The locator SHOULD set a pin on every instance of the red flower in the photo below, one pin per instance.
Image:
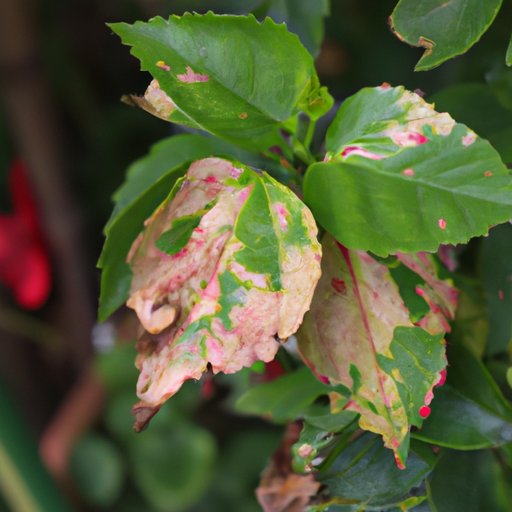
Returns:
(24, 263)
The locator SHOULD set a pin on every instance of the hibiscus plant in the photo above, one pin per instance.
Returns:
(321, 238)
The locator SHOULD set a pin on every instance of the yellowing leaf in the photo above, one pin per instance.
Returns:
(227, 263)
(359, 334)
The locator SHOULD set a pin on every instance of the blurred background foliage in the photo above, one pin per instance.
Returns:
(70, 387)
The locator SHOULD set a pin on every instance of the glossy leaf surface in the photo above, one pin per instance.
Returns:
(245, 275)
(230, 75)
(443, 29)
(401, 177)
(365, 477)
(358, 334)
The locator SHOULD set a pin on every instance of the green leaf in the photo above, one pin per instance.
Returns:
(147, 184)
(304, 18)
(366, 476)
(285, 398)
(229, 75)
(470, 412)
(444, 29)
(401, 177)
(486, 114)
(508, 56)
(172, 468)
(496, 272)
(97, 468)
(469, 482)
(172, 241)
(317, 435)
(358, 334)
(245, 276)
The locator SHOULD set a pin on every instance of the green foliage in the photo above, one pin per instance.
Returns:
(443, 29)
(220, 266)
(243, 92)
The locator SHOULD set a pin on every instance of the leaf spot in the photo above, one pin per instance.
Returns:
(385, 85)
(162, 65)
(305, 450)
(488, 174)
(469, 138)
(441, 223)
(442, 378)
(500, 294)
(190, 77)
(425, 411)
(409, 139)
(355, 150)
(408, 172)
(399, 463)
(339, 285)
(243, 115)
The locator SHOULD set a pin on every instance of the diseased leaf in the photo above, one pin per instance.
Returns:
(358, 334)
(230, 75)
(444, 28)
(214, 302)
(496, 272)
(401, 177)
(439, 295)
(470, 412)
(365, 476)
(148, 182)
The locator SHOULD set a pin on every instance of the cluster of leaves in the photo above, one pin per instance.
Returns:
(217, 258)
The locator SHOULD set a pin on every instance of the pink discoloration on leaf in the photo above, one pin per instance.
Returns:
(282, 215)
(355, 150)
(162, 65)
(409, 139)
(429, 397)
(448, 257)
(500, 295)
(439, 294)
(408, 172)
(469, 139)
(202, 306)
(441, 223)
(189, 77)
(338, 285)
(425, 411)
(442, 378)
(399, 464)
(352, 339)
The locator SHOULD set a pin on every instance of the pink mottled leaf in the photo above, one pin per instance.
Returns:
(358, 333)
(227, 263)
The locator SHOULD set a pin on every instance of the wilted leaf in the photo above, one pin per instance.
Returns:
(401, 177)
(147, 184)
(358, 333)
(245, 275)
(280, 489)
(444, 28)
(229, 75)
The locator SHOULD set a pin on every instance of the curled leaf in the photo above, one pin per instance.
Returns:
(359, 334)
(226, 263)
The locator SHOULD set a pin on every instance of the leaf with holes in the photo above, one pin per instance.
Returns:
(229, 75)
(399, 176)
(245, 273)
(444, 28)
(358, 334)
